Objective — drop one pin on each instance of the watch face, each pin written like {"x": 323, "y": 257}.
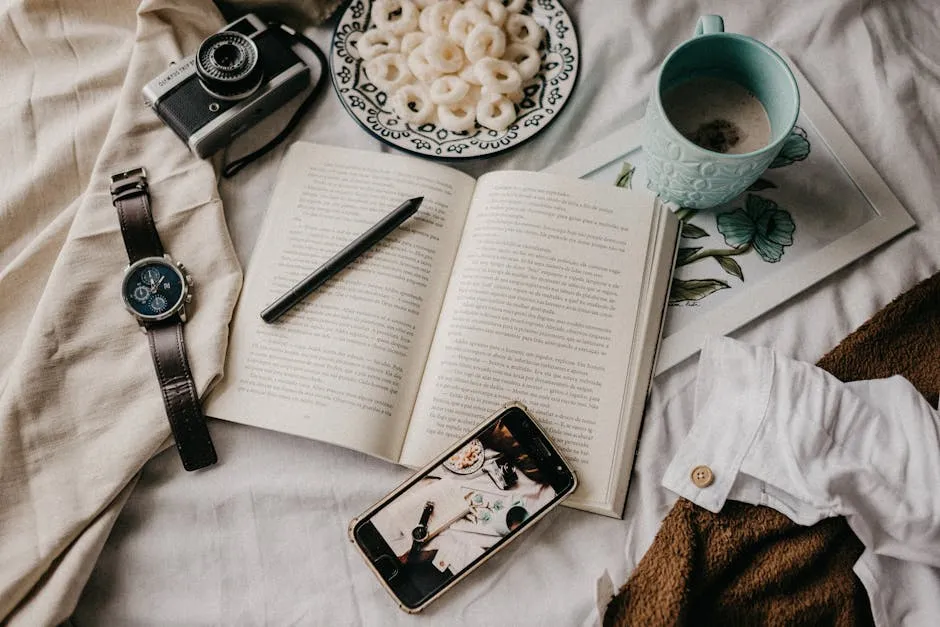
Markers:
{"x": 154, "y": 288}
{"x": 419, "y": 533}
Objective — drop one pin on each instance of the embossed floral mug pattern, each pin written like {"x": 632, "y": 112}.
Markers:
{"x": 688, "y": 175}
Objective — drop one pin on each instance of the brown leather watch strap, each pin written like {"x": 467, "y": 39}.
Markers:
{"x": 179, "y": 395}
{"x": 129, "y": 196}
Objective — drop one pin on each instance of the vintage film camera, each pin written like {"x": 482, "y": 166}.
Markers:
{"x": 237, "y": 77}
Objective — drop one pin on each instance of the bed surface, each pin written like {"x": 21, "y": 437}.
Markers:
{"x": 261, "y": 538}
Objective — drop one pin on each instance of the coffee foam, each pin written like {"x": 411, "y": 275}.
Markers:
{"x": 718, "y": 114}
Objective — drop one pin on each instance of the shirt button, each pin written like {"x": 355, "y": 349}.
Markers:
{"x": 702, "y": 476}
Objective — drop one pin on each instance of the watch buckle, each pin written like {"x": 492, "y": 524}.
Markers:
{"x": 129, "y": 181}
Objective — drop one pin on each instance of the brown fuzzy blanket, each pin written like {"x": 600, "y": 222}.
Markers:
{"x": 750, "y": 565}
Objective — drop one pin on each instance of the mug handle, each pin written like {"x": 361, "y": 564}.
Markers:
{"x": 709, "y": 25}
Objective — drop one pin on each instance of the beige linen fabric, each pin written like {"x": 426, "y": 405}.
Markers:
{"x": 80, "y": 410}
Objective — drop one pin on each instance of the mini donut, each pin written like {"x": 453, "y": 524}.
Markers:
{"x": 436, "y": 18}
{"x": 396, "y": 16}
{"x": 497, "y": 75}
{"x": 494, "y": 9}
{"x": 474, "y": 94}
{"x": 375, "y": 42}
{"x": 464, "y": 21}
{"x": 468, "y": 74}
{"x": 457, "y": 117}
{"x": 514, "y": 97}
{"x": 515, "y": 6}
{"x": 485, "y": 40}
{"x": 495, "y": 111}
{"x": 420, "y": 66}
{"x": 522, "y": 29}
{"x": 413, "y": 104}
{"x": 388, "y": 71}
{"x": 443, "y": 53}
{"x": 410, "y": 41}
{"x": 448, "y": 90}
{"x": 527, "y": 59}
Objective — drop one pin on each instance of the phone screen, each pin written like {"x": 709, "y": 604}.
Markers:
{"x": 448, "y": 518}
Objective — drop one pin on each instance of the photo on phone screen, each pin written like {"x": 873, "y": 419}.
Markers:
{"x": 457, "y": 512}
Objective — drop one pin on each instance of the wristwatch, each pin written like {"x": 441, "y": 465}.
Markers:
{"x": 419, "y": 535}
{"x": 156, "y": 290}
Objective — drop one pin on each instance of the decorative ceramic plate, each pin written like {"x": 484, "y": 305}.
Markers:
{"x": 467, "y": 460}
{"x": 544, "y": 95}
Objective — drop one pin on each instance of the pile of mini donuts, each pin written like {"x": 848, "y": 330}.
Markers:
{"x": 454, "y": 64}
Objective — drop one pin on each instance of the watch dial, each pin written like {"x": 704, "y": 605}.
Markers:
{"x": 153, "y": 289}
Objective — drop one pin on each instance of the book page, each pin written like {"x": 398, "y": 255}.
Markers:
{"x": 344, "y": 364}
{"x": 541, "y": 308}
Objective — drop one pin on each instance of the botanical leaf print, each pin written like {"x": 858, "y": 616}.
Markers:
{"x": 795, "y": 148}
{"x": 690, "y": 231}
{"x": 762, "y": 224}
{"x": 683, "y": 254}
{"x": 737, "y": 227}
{"x": 729, "y": 265}
{"x": 694, "y": 289}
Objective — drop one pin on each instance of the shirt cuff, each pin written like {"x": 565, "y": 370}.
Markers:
{"x": 732, "y": 393}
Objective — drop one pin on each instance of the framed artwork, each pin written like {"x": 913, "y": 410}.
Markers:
{"x": 819, "y": 207}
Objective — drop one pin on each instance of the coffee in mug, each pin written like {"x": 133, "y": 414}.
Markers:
{"x": 718, "y": 114}
{"x": 721, "y": 110}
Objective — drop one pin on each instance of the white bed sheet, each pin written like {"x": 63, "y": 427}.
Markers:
{"x": 261, "y": 538}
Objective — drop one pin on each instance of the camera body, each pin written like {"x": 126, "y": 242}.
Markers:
{"x": 239, "y": 76}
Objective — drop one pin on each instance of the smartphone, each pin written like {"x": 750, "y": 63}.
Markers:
{"x": 464, "y": 506}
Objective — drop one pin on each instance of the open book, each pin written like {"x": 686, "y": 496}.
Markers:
{"x": 519, "y": 286}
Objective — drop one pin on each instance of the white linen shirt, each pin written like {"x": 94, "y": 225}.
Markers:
{"x": 777, "y": 432}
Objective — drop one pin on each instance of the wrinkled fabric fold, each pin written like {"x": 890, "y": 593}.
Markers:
{"x": 80, "y": 409}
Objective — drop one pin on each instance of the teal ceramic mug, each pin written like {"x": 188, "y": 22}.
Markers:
{"x": 691, "y": 176}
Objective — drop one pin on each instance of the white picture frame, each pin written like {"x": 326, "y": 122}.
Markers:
{"x": 890, "y": 220}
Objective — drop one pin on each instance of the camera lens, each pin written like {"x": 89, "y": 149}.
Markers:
{"x": 227, "y": 56}
{"x": 227, "y": 65}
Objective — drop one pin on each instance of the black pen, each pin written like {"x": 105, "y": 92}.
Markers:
{"x": 341, "y": 259}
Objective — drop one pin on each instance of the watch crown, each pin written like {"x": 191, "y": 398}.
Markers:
{"x": 189, "y": 280}
{"x": 189, "y": 298}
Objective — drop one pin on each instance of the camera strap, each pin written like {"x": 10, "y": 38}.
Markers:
{"x": 232, "y": 168}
